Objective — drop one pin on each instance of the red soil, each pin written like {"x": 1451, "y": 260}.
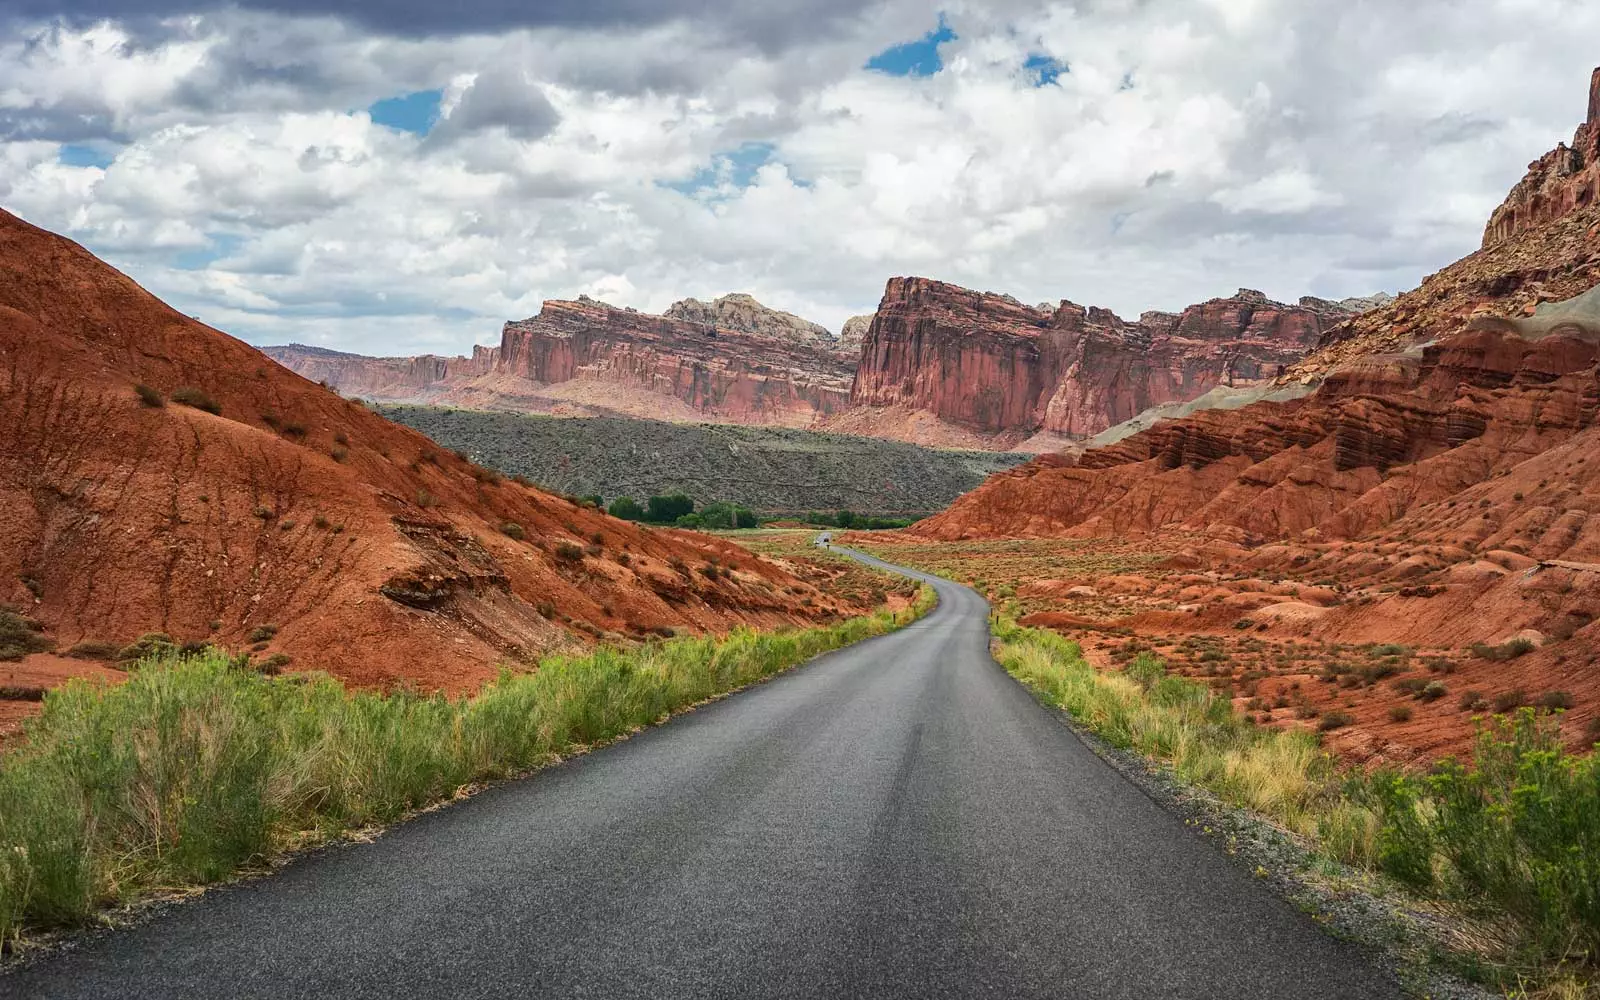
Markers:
{"x": 379, "y": 557}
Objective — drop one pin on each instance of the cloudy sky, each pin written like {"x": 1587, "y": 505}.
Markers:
{"x": 398, "y": 176}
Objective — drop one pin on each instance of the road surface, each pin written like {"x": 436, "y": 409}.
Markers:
{"x": 896, "y": 819}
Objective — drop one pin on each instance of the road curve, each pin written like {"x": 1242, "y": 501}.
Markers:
{"x": 896, "y": 819}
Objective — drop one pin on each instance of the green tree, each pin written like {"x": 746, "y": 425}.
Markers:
{"x": 593, "y": 500}
{"x": 627, "y": 508}
{"x": 717, "y": 515}
{"x": 744, "y": 517}
{"x": 667, "y": 509}
{"x": 691, "y": 521}
{"x": 844, "y": 519}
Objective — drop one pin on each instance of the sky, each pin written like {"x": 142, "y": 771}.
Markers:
{"x": 403, "y": 176}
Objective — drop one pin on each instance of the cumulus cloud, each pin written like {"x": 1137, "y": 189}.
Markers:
{"x": 644, "y": 153}
{"x": 499, "y": 98}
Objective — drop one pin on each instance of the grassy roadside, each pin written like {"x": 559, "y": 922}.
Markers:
{"x": 1511, "y": 838}
{"x": 194, "y": 770}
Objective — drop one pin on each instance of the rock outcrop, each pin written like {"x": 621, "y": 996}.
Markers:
{"x": 269, "y": 500}
{"x": 853, "y": 334}
{"x": 721, "y": 374}
{"x": 990, "y": 363}
{"x": 1561, "y": 181}
{"x": 742, "y": 313}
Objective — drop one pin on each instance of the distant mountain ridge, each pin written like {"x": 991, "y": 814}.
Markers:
{"x": 936, "y": 364}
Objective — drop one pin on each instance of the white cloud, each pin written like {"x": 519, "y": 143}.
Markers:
{"x": 1192, "y": 147}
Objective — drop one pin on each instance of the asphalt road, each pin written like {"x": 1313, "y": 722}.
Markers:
{"x": 897, "y": 819}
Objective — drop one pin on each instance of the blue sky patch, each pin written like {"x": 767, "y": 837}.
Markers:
{"x": 198, "y": 259}
{"x": 414, "y": 113}
{"x": 75, "y": 155}
{"x": 918, "y": 58}
{"x": 737, "y": 168}
{"x": 1043, "y": 70}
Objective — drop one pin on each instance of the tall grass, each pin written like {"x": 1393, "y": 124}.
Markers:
{"x": 1279, "y": 773}
{"x": 1515, "y": 834}
{"x": 195, "y": 768}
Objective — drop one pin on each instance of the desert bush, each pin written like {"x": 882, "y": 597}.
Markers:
{"x": 1400, "y": 713}
{"x": 338, "y": 454}
{"x": 567, "y": 552}
{"x": 91, "y": 649}
{"x": 195, "y": 767}
{"x": 188, "y": 395}
{"x": 1505, "y": 701}
{"x": 1509, "y": 650}
{"x": 512, "y": 529}
{"x": 151, "y": 644}
{"x": 1519, "y": 829}
{"x": 1335, "y": 720}
{"x": 148, "y": 396}
{"x": 426, "y": 499}
{"x": 1552, "y": 701}
{"x": 21, "y": 635}
{"x": 262, "y": 633}
{"x": 1433, "y": 691}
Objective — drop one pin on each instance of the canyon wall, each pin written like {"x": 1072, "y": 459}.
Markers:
{"x": 737, "y": 376}
{"x": 731, "y": 360}
{"x": 1560, "y": 181}
{"x": 990, "y": 363}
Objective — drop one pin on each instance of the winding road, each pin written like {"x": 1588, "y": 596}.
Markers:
{"x": 896, "y": 819}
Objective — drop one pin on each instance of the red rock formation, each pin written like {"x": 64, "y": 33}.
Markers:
{"x": 410, "y": 380}
{"x": 990, "y": 363}
{"x": 723, "y": 374}
{"x": 1558, "y": 183}
{"x": 378, "y": 557}
{"x": 588, "y": 357}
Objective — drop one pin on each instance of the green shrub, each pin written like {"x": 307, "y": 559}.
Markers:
{"x": 20, "y": 635}
{"x": 512, "y": 529}
{"x": 1555, "y": 701}
{"x": 567, "y": 552}
{"x": 1400, "y": 713}
{"x": 1505, "y": 651}
{"x": 91, "y": 649}
{"x": 1335, "y": 720}
{"x": 1518, "y": 830}
{"x": 148, "y": 396}
{"x": 151, "y": 644}
{"x": 262, "y": 633}
{"x": 188, "y": 395}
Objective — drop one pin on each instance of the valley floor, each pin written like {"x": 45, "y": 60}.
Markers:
{"x": 1266, "y": 642}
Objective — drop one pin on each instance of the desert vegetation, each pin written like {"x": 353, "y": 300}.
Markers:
{"x": 196, "y": 767}
{"x": 765, "y": 469}
{"x": 1511, "y": 837}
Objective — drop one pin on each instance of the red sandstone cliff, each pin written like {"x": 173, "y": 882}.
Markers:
{"x": 992, "y": 364}
{"x": 1559, "y": 182}
{"x": 731, "y": 360}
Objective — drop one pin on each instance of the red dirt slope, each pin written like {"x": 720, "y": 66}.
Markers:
{"x": 377, "y": 556}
